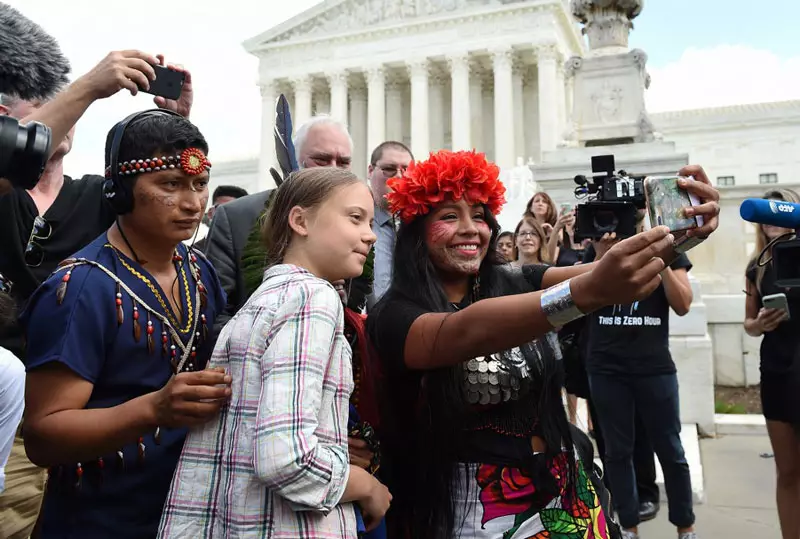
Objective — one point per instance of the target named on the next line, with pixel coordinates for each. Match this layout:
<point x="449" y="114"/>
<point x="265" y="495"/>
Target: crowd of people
<point x="351" y="354"/>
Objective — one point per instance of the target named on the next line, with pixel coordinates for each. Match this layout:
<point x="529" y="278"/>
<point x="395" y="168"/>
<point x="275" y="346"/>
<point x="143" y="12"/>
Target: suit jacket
<point x="225" y="242"/>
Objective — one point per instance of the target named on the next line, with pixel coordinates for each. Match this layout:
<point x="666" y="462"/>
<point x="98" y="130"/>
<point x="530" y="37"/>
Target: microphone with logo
<point x="785" y="252"/>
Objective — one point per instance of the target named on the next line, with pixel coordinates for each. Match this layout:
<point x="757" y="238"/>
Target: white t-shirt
<point x="12" y="403"/>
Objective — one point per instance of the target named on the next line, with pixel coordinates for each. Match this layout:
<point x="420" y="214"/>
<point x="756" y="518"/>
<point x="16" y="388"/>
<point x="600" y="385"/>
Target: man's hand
<point x="119" y="70"/>
<point x="605" y="243"/>
<point x="360" y="455"/>
<point x="192" y="398"/>
<point x="708" y="196"/>
<point x="183" y="105"/>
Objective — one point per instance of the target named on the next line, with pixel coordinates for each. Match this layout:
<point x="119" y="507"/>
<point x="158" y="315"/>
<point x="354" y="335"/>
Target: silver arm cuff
<point x="558" y="306"/>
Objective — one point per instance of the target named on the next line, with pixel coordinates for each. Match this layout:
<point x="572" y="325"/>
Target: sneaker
<point x="687" y="535"/>
<point x="627" y="534"/>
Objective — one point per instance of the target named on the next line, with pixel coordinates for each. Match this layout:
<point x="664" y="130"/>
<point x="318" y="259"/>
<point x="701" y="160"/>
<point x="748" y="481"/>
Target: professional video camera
<point x="23" y="151"/>
<point x="786" y="248"/>
<point x="613" y="201"/>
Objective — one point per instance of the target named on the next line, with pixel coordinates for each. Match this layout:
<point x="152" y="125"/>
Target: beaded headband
<point x="191" y="160"/>
<point x="446" y="176"/>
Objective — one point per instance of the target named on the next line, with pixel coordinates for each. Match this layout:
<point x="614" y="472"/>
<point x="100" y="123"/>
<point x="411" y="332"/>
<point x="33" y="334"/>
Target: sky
<point x="701" y="53"/>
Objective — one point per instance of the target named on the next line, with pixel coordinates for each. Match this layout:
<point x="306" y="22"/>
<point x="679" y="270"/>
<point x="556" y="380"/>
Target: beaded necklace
<point x="181" y="354"/>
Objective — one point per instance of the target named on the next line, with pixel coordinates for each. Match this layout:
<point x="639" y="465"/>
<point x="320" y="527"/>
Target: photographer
<point x="631" y="374"/>
<point x="41" y="226"/>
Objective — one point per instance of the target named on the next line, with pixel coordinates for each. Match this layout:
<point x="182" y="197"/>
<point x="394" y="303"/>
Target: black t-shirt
<point x="632" y="339"/>
<point x="388" y="328"/>
<point x="78" y="215"/>
<point x="779" y="347"/>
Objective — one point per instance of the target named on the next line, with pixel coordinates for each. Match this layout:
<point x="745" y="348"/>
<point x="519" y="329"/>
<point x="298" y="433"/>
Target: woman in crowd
<point x="476" y="439"/>
<point x="505" y="246"/>
<point x="562" y="245"/>
<point x="275" y="462"/>
<point x="542" y="207"/>
<point x="780" y="369"/>
<point x="530" y="245"/>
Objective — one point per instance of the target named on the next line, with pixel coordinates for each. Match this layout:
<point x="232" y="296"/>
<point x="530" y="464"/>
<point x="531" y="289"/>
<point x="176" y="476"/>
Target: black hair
<point x="377" y="153"/>
<point x="232" y="191"/>
<point x="422" y="427"/>
<point x="506" y="234"/>
<point x="155" y="136"/>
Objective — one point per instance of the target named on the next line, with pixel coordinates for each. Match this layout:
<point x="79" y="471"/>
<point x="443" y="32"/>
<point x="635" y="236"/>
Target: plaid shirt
<point x="274" y="464"/>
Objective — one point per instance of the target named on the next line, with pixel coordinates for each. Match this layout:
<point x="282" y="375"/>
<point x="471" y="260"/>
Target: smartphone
<point x="776" y="301"/>
<point x="566" y="208"/>
<point x="665" y="203"/>
<point x="168" y="83"/>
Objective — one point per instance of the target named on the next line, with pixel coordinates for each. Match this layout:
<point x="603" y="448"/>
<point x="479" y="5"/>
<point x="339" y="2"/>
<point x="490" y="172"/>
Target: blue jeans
<point x="655" y="398"/>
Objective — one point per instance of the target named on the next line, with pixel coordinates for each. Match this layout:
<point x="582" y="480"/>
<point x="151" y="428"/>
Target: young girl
<point x="780" y="370"/>
<point x="275" y="463"/>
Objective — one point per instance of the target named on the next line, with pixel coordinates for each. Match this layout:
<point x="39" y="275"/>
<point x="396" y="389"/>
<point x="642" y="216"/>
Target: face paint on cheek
<point x="439" y="233"/>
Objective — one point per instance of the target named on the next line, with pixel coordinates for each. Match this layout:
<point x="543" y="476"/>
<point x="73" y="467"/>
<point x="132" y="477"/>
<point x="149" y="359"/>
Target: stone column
<point x="266" y="157"/>
<point x="394" y="110"/>
<point x="420" y="140"/>
<point x="475" y="118"/>
<point x="436" y="112"/>
<point x="547" y="58"/>
<point x="358" y="130"/>
<point x="376" y="104"/>
<point x="322" y="103"/>
<point x="460" y="101"/>
<point x="519" y="113"/>
<point x="302" y="100"/>
<point x="338" y="82"/>
<point x="504" y="148"/>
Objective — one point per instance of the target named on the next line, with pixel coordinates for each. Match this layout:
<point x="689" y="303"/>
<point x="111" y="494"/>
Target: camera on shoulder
<point x="613" y="201"/>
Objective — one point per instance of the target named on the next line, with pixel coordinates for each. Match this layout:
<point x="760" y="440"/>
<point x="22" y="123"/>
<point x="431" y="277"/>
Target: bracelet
<point x="558" y="306"/>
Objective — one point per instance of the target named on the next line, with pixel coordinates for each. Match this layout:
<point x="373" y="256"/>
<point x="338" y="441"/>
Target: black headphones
<point x="117" y="192"/>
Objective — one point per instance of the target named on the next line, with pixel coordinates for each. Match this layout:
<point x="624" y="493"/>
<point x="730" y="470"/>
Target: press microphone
<point x="771" y="212"/>
<point x="31" y="63"/>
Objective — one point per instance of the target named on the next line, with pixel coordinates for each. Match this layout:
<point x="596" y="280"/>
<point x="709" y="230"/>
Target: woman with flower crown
<point x="475" y="438"/>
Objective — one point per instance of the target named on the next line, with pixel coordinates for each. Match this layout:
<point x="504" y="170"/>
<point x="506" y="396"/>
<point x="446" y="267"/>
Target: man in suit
<point x="320" y="142"/>
<point x="222" y="195"/>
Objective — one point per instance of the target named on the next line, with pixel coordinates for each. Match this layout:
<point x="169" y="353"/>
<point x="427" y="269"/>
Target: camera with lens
<point x="613" y="201"/>
<point x="24" y="150"/>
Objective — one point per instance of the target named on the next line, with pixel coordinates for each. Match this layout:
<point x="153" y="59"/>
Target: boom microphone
<point x="31" y="63"/>
<point x="771" y="212"/>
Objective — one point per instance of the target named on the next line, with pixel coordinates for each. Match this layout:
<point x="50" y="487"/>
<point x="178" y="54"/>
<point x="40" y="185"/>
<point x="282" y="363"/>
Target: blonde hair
<point x="307" y="188"/>
<point x="786" y="195"/>
<point x="530" y="220"/>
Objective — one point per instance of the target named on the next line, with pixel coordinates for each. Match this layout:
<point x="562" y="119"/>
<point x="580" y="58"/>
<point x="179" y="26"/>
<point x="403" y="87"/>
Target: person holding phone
<point x="41" y="226"/>
<point x="780" y="369"/>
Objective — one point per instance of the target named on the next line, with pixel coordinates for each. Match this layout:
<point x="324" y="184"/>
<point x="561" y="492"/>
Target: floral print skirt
<point x="495" y="502"/>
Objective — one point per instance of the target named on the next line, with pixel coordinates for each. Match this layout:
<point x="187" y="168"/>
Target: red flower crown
<point x="446" y="176"/>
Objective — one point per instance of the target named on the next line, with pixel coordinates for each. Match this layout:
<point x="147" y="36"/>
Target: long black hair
<point x="423" y="421"/>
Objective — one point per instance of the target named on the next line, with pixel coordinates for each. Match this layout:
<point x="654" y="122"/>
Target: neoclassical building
<point x="459" y="74"/>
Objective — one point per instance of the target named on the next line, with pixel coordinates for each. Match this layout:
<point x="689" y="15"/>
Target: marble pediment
<point x="334" y="17"/>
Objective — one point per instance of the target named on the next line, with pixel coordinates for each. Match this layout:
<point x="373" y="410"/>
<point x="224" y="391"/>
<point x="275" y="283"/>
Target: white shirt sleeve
<point x="12" y="403"/>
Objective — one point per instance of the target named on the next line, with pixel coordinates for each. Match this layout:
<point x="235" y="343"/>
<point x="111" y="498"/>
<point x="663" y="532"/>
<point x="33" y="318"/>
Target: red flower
<point x="446" y="175"/>
<point x="504" y="491"/>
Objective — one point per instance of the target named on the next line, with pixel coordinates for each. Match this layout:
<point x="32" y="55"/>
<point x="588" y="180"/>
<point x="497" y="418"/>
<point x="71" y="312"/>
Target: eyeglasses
<point x="527" y="234"/>
<point x="390" y="171"/>
<point x="34" y="254"/>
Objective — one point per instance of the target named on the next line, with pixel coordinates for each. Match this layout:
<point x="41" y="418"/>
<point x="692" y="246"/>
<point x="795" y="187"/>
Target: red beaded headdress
<point x="191" y="160"/>
<point x="446" y="175"/>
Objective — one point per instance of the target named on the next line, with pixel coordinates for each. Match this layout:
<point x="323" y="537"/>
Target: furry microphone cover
<point x="31" y="63"/>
